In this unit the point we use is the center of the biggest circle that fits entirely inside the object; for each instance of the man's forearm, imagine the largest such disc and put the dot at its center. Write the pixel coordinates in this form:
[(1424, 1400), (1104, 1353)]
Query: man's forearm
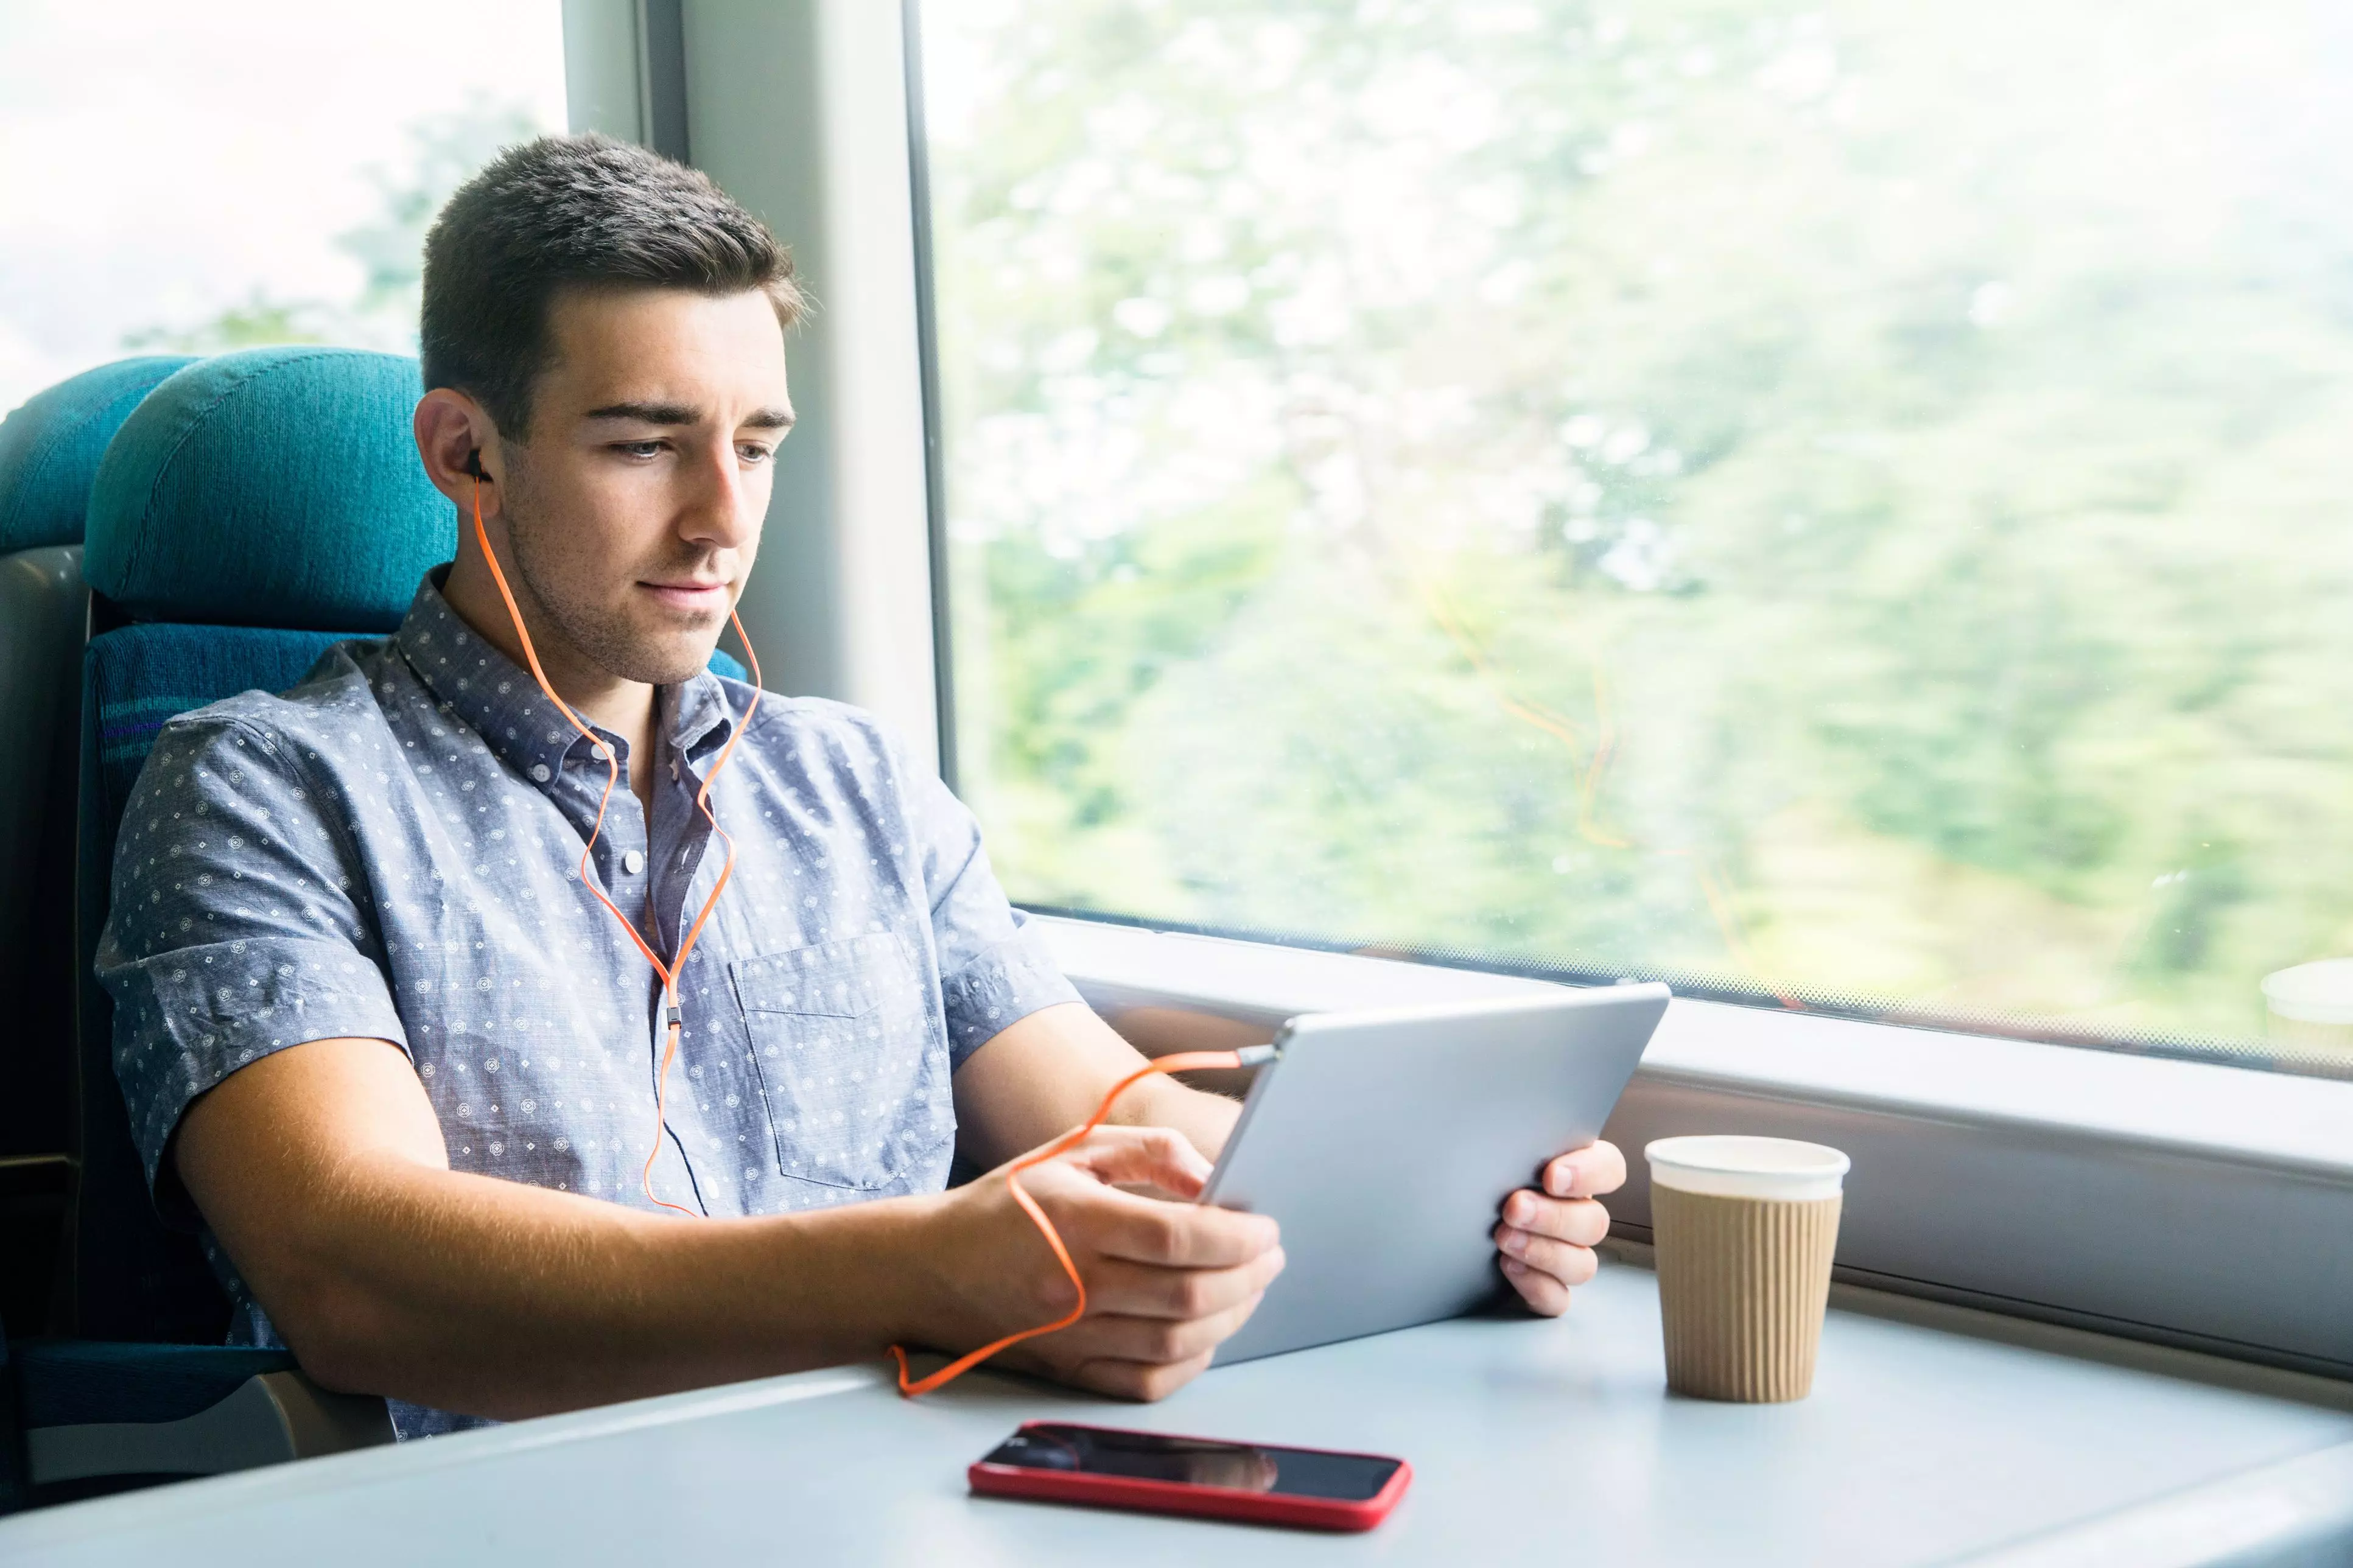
[(322, 1171), (490, 1296)]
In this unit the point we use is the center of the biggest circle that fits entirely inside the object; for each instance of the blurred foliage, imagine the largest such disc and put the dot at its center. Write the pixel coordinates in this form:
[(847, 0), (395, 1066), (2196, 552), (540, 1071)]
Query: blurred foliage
[(1847, 503), (389, 249), (260, 320)]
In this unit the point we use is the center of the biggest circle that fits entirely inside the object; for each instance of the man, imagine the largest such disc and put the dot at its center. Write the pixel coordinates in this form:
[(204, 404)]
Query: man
[(404, 1063)]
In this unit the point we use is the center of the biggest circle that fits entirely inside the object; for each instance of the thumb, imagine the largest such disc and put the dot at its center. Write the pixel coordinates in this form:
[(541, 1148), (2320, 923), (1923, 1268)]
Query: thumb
[(1156, 1156)]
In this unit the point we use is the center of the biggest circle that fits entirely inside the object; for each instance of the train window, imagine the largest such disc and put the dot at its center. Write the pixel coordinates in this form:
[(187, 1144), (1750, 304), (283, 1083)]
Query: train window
[(1834, 506), (192, 178)]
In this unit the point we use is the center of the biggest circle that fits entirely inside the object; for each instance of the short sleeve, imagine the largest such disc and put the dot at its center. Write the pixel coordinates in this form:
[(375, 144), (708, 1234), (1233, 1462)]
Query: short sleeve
[(994, 969), (233, 931)]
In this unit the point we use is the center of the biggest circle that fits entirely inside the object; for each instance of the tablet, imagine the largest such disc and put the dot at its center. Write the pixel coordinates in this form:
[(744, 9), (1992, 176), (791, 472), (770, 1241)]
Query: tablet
[(1385, 1142)]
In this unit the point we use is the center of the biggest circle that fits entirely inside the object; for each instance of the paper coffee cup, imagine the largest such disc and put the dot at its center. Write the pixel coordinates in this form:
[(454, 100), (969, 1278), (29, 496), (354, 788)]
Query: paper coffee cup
[(2310, 1007), (1743, 1230)]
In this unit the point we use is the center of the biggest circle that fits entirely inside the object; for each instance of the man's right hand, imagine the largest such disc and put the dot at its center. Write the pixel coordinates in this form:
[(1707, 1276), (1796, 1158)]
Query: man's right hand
[(1166, 1282)]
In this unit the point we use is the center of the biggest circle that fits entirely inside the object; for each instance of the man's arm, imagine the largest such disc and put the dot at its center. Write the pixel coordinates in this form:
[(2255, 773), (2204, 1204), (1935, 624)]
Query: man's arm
[(322, 1171)]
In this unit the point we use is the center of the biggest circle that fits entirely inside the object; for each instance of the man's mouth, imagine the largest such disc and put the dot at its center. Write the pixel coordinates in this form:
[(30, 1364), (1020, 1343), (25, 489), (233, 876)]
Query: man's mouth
[(691, 595)]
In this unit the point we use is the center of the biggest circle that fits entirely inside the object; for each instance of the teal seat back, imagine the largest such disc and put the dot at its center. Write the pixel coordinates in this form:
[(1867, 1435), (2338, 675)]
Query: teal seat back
[(50, 447)]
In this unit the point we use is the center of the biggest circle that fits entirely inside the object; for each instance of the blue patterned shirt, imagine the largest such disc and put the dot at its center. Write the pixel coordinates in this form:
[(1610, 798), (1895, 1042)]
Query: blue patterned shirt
[(390, 850)]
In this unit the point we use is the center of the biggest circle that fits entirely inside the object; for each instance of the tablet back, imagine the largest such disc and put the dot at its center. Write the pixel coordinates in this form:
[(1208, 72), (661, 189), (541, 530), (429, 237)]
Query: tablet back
[(1385, 1142)]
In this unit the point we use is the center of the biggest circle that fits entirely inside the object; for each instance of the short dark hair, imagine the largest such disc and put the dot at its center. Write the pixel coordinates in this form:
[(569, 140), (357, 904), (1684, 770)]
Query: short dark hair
[(574, 212)]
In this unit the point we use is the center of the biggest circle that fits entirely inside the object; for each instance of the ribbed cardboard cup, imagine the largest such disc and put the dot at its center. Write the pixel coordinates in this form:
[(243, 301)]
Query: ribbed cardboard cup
[(1744, 1228)]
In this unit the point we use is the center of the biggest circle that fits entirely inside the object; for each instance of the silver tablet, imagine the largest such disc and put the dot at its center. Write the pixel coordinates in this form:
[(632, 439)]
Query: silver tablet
[(1385, 1142)]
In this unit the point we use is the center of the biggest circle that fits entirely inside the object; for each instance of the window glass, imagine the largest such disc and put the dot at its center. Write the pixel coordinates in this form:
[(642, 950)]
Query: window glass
[(190, 178), (1843, 506)]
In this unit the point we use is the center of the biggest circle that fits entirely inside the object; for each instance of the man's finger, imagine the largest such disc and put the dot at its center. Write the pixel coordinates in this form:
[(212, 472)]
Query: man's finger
[(1118, 1287), (1157, 1342), (1570, 1264), (1152, 1157), (1173, 1236), (1540, 1290), (1580, 1220), (1586, 1173), (1136, 1379)]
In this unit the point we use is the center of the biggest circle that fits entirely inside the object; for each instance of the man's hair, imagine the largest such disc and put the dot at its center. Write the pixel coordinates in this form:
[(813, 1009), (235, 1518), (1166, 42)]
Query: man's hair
[(574, 212)]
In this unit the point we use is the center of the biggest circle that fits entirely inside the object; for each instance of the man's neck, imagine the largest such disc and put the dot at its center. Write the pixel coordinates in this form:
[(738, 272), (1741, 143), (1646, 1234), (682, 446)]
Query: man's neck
[(625, 708)]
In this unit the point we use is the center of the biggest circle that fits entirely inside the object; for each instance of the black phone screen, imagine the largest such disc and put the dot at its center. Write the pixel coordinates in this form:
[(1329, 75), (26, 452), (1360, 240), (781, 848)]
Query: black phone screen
[(1196, 1462)]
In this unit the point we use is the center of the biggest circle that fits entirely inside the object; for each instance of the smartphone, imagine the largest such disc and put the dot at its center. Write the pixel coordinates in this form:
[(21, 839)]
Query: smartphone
[(1056, 1461)]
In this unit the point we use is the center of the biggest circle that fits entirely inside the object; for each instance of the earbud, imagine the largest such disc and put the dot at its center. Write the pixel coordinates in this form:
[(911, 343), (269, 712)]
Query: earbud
[(474, 464)]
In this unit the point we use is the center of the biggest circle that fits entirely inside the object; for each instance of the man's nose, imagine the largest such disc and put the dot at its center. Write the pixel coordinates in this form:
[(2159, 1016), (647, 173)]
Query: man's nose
[(721, 509)]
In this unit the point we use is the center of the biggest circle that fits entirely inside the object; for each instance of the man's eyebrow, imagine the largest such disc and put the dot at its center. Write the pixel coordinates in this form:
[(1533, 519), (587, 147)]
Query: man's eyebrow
[(648, 413), (686, 414)]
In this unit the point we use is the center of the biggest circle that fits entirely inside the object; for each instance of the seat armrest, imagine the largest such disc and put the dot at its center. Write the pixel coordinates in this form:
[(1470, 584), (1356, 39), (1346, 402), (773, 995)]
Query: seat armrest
[(94, 1408), (72, 1383)]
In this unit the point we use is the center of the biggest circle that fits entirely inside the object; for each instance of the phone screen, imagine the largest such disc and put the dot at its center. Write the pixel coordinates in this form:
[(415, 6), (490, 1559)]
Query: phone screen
[(1197, 1462)]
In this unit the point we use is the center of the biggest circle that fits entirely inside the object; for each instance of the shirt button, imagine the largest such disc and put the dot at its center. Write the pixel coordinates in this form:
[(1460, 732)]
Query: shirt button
[(539, 772), (633, 862)]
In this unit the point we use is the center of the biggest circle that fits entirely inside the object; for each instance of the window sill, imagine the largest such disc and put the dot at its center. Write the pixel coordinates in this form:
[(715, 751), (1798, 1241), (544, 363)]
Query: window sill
[(2175, 1201)]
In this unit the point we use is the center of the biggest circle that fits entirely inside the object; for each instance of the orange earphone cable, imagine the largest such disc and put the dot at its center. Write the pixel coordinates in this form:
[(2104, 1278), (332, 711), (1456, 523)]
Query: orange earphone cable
[(1182, 1061), (671, 970)]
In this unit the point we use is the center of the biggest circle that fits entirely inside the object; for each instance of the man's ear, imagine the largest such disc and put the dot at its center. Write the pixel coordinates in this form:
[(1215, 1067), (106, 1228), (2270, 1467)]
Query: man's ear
[(456, 438)]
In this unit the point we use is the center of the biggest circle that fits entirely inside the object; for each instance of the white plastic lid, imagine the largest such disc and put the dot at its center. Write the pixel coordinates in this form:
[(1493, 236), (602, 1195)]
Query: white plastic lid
[(1731, 1166), (2318, 993)]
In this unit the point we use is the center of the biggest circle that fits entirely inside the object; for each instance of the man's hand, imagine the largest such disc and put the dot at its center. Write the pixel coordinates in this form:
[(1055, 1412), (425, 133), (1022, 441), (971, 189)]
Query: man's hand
[(1548, 1237), (1166, 1282)]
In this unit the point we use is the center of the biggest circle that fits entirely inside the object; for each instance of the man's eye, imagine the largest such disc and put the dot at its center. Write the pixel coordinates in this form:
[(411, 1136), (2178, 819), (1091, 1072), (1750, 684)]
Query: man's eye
[(638, 448), (751, 452)]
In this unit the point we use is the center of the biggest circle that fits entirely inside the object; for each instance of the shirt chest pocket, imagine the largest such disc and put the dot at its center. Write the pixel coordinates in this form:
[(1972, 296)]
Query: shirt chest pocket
[(856, 1085)]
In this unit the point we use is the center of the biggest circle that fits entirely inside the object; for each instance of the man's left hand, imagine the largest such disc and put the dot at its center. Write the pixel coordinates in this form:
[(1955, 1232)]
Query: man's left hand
[(1548, 1237)]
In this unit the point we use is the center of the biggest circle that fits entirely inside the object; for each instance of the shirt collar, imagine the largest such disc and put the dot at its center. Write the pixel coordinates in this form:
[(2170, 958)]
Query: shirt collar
[(499, 699), (695, 714)]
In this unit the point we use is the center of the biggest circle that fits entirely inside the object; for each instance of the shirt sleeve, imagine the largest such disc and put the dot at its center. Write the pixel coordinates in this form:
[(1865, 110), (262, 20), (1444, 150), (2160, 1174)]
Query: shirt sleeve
[(234, 930), (994, 969)]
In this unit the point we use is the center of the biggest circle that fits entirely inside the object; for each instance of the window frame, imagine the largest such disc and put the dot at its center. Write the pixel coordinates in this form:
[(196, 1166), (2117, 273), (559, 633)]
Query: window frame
[(2181, 1201)]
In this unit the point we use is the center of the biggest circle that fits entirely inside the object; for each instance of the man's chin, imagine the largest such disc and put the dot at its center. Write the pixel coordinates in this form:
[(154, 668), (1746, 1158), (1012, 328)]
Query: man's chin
[(684, 669), (665, 662)]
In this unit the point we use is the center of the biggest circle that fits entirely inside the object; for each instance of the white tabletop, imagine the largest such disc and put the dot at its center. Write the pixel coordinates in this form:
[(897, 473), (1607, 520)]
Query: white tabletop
[(1532, 1441)]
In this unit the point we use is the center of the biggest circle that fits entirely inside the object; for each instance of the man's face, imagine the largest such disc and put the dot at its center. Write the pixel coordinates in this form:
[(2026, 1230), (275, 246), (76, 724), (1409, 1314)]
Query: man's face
[(634, 510)]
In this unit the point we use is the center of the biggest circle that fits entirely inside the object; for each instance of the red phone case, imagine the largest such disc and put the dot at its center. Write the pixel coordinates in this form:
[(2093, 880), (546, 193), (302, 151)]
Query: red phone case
[(1174, 1497)]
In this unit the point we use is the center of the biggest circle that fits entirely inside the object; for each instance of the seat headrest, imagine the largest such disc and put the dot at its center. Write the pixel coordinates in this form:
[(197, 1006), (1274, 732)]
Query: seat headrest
[(275, 486), (50, 449)]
